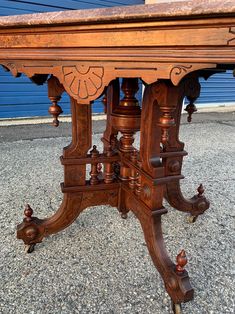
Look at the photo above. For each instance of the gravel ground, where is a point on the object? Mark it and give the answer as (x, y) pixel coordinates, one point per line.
(100, 264)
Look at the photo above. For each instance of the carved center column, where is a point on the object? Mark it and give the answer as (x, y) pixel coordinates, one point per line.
(125, 118)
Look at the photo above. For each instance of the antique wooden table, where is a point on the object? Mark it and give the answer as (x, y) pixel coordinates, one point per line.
(85, 53)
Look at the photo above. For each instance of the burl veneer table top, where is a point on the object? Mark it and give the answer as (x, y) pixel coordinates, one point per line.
(106, 52)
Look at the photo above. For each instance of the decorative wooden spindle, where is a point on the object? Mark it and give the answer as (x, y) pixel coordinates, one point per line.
(181, 260)
(133, 175)
(28, 212)
(138, 186)
(190, 108)
(166, 121)
(94, 167)
(108, 172)
(200, 190)
(55, 90)
(55, 110)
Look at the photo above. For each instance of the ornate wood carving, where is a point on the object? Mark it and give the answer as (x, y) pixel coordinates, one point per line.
(83, 81)
(168, 49)
(179, 71)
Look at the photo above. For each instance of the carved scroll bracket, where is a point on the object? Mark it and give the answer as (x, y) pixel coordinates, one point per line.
(11, 67)
(179, 71)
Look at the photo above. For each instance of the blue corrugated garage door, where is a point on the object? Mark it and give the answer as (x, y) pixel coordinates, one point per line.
(218, 90)
(19, 97)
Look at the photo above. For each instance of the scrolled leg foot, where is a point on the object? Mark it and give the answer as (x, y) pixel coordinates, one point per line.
(30, 230)
(196, 205)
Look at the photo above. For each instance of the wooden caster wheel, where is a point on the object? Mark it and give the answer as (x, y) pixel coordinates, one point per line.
(192, 219)
(29, 248)
(176, 307)
(124, 215)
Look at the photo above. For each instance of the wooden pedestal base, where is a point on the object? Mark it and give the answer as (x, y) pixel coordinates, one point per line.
(125, 177)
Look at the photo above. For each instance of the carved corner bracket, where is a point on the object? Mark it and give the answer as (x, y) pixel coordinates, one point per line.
(11, 67)
(179, 71)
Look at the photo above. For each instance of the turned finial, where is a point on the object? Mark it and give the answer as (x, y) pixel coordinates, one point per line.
(200, 190)
(181, 260)
(55, 90)
(94, 152)
(28, 212)
(55, 110)
(190, 108)
(95, 167)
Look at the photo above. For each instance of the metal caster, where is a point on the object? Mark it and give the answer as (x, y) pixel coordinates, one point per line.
(124, 215)
(192, 219)
(29, 248)
(176, 307)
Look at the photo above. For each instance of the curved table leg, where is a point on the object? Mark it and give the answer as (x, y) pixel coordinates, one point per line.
(174, 149)
(32, 230)
(159, 103)
(196, 205)
(176, 279)
(177, 285)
